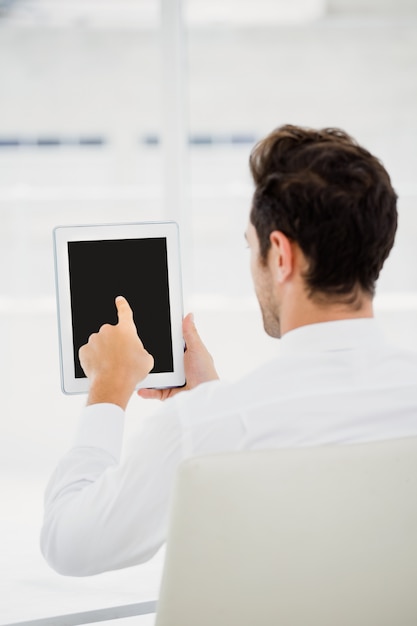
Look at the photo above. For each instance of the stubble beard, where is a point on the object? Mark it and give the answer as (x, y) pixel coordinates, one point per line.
(271, 322)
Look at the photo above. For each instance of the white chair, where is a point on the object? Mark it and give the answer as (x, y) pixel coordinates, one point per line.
(322, 536)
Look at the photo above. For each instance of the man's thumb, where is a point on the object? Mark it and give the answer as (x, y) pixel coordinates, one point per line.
(191, 336)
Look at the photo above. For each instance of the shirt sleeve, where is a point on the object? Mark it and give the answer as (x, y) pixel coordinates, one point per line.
(101, 514)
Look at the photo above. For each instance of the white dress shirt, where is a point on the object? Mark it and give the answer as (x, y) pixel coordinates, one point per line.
(336, 382)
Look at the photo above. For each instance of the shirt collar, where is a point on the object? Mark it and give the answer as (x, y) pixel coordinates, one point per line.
(348, 334)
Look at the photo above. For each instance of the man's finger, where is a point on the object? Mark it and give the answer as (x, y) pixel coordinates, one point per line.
(124, 312)
(151, 394)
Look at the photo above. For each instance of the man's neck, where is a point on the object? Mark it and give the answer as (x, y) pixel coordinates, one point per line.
(315, 311)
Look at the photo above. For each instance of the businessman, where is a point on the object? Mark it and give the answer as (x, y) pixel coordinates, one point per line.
(322, 223)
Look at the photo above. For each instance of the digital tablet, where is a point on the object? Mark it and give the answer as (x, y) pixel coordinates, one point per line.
(96, 263)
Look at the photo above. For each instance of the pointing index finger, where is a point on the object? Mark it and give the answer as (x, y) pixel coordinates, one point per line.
(124, 312)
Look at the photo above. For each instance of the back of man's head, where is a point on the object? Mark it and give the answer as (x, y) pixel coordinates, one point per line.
(332, 198)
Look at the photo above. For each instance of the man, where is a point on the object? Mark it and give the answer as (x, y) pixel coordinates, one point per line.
(322, 223)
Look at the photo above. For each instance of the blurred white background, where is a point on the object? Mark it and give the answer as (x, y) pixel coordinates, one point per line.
(82, 105)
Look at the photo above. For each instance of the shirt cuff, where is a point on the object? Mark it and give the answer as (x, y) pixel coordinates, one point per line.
(101, 426)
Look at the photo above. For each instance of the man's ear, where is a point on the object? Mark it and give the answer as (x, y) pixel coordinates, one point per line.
(281, 256)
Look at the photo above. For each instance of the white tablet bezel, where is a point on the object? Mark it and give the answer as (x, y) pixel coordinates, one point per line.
(62, 235)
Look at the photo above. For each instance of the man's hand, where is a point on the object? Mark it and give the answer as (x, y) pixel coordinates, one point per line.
(115, 360)
(198, 364)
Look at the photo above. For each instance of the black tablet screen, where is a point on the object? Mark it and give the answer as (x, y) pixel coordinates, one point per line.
(134, 268)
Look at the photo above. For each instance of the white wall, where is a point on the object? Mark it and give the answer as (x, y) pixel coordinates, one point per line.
(107, 81)
(373, 7)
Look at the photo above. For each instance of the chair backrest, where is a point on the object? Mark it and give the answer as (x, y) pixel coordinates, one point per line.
(322, 536)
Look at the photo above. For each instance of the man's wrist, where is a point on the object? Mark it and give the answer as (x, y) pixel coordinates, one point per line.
(110, 392)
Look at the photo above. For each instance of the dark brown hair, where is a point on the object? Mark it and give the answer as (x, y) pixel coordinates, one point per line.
(330, 196)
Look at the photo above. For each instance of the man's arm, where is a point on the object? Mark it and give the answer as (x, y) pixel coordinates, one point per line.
(101, 514)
